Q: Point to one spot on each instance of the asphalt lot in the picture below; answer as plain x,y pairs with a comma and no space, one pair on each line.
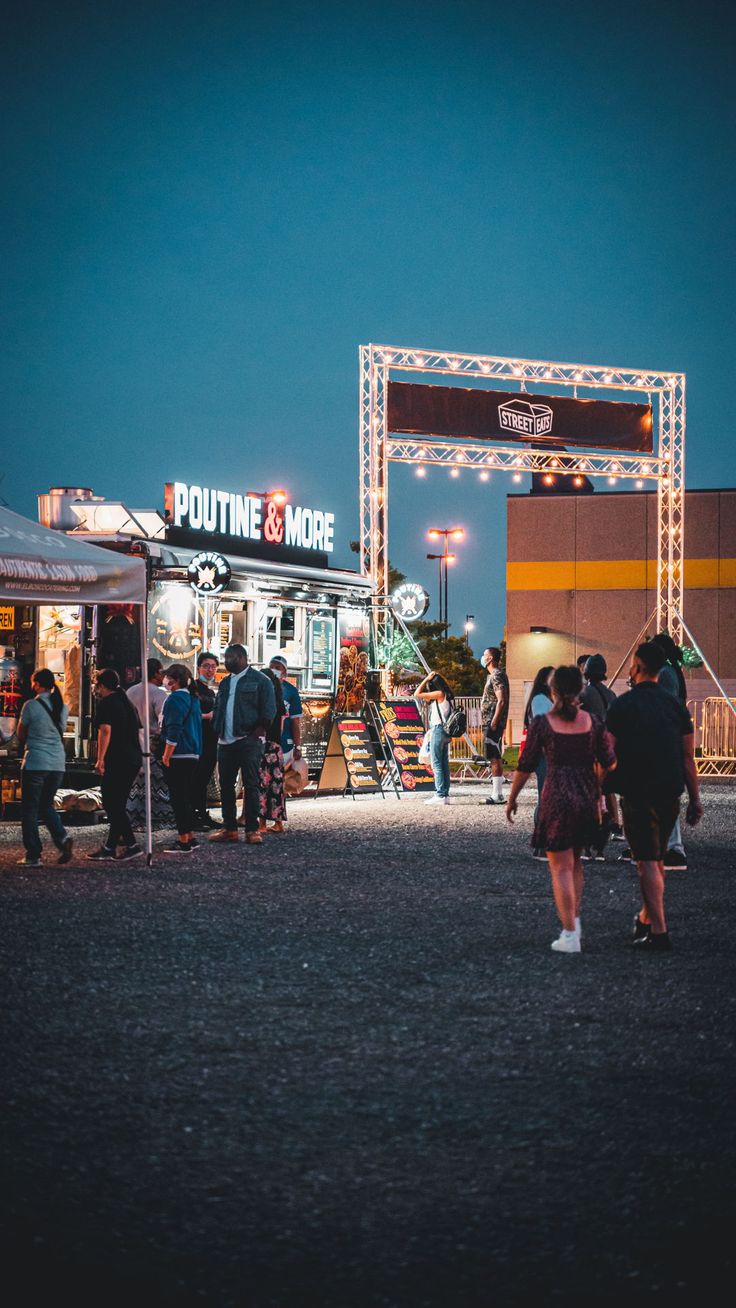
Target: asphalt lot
345,1068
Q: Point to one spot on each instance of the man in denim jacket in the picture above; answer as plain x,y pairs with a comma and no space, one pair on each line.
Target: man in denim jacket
244,707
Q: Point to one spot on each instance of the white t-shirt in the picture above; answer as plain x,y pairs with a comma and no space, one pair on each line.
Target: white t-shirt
227,737
157,697
439,712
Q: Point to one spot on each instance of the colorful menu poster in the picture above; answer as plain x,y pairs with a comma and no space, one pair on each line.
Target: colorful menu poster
350,761
321,653
352,668
316,727
404,731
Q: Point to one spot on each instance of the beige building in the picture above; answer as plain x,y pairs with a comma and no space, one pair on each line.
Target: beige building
583,568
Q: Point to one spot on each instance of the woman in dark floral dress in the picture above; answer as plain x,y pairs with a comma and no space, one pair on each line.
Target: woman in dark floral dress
273,799
573,744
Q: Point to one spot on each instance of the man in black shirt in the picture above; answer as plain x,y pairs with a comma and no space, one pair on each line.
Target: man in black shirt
655,761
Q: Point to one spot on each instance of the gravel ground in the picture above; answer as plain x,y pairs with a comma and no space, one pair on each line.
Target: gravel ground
345,1068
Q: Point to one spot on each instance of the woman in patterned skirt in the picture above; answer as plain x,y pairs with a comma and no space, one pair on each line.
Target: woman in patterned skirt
574,745
272,797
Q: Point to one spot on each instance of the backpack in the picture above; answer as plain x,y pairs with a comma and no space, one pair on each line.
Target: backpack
456,723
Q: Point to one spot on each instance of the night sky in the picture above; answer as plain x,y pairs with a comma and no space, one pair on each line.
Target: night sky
210,206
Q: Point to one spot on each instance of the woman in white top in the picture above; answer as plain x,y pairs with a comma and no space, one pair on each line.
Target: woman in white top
435,691
41,732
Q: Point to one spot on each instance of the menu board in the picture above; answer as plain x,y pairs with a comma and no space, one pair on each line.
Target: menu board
404,732
350,761
316,726
321,653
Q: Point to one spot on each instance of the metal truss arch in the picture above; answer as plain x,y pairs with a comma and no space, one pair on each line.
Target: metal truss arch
665,468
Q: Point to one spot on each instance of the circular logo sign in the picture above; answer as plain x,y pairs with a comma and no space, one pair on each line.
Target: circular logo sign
208,573
410,601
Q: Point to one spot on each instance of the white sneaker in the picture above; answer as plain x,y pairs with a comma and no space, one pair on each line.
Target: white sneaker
438,799
568,942
578,929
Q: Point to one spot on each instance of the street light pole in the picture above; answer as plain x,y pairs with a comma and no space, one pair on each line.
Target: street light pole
447,533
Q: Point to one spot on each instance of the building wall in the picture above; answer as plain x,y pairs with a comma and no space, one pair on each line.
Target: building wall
585,567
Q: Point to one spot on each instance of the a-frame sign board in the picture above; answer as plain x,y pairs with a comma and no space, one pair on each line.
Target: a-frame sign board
350,761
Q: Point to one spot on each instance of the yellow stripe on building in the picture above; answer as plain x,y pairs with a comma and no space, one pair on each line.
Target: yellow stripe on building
616,574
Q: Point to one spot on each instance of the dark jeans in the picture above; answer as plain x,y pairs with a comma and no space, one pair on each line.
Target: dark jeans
115,786
182,774
242,756
203,776
37,801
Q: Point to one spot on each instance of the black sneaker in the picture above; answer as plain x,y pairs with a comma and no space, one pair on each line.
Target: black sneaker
540,855
65,855
625,855
586,855
656,944
617,831
129,851
641,929
675,861
102,855
491,800
180,847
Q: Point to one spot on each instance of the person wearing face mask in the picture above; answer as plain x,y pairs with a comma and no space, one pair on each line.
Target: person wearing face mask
245,705
207,687
291,735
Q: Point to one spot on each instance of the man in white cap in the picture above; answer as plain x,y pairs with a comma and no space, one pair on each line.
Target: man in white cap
291,735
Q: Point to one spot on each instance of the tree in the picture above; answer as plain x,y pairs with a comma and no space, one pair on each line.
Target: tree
451,656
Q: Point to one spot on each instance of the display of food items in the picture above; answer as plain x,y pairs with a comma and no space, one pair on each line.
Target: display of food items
351,680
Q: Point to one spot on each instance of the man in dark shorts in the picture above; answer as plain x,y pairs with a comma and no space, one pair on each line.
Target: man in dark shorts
655,762
494,712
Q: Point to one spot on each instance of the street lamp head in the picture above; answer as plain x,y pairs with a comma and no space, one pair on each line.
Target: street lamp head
277,496
457,533
433,533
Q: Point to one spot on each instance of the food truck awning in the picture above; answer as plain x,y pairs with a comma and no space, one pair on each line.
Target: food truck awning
249,570
331,580
42,566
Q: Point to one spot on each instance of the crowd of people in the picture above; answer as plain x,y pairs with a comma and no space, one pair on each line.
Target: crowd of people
248,725
595,747
587,748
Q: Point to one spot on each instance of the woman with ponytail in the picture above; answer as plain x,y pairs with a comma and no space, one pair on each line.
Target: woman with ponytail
41,732
574,745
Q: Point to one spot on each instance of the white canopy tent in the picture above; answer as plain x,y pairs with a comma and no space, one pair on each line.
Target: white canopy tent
42,566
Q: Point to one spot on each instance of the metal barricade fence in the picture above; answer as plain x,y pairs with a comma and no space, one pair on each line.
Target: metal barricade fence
715,733
467,753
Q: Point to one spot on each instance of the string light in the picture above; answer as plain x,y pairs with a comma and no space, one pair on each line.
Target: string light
484,476
454,472
421,472
516,476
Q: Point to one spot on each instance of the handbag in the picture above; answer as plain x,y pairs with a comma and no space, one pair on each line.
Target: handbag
425,752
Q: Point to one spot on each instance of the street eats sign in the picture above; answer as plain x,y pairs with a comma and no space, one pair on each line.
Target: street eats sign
478,414
247,524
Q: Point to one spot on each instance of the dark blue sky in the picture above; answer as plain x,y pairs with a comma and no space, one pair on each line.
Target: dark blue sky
210,206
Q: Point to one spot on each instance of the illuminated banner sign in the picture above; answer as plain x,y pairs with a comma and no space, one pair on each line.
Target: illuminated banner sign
247,525
501,416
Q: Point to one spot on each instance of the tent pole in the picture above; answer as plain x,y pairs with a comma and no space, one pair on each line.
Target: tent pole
146,731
